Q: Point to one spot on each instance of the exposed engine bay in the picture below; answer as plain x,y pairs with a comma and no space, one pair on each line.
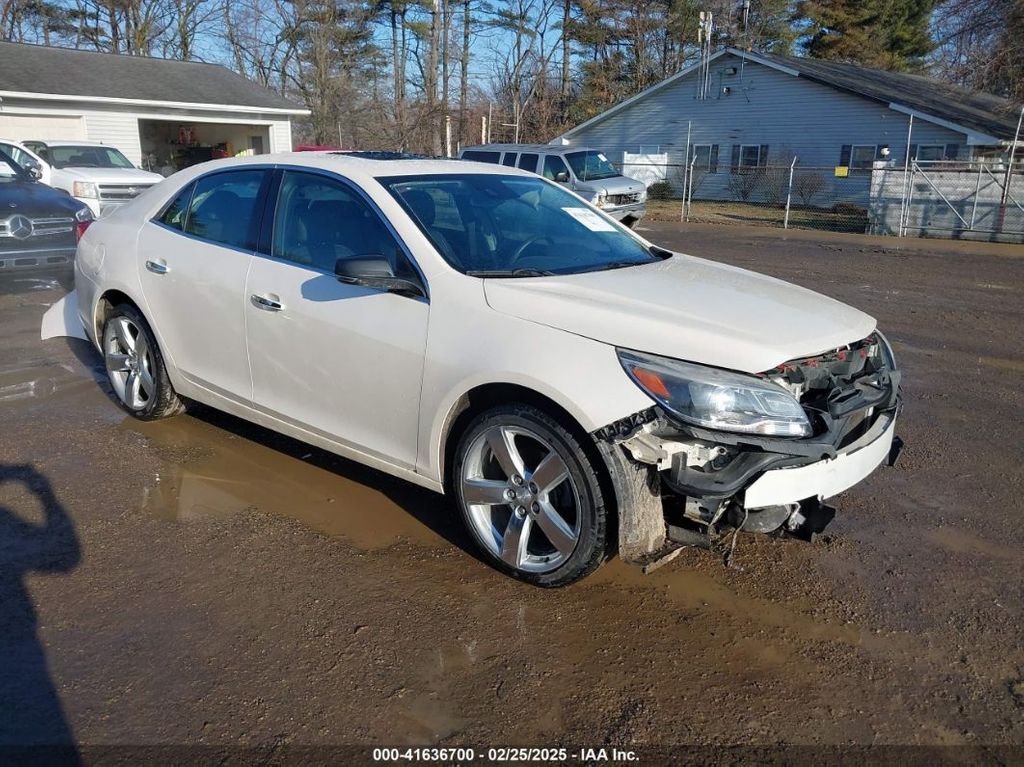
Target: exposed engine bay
709,479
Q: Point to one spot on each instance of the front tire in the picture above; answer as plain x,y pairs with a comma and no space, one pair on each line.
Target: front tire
135,366
530,496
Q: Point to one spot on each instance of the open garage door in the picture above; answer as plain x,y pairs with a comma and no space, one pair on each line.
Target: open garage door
169,146
40,127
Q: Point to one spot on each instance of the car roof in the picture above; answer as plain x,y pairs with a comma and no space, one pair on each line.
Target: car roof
541,148
69,142
369,164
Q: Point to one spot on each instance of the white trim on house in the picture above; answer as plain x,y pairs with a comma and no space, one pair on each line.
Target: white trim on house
150,103
974,138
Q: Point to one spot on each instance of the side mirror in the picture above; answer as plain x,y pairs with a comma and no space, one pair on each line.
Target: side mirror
374,271
562,177
35,172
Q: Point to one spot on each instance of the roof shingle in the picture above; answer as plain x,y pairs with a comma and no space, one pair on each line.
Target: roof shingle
69,72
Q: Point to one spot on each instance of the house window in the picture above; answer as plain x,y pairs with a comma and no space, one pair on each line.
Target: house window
930,152
747,157
862,156
750,155
705,157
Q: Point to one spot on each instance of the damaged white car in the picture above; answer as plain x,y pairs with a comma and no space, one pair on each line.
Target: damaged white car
482,332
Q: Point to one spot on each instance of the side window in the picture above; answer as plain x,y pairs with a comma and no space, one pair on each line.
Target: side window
174,215
40,149
15,153
480,156
318,221
553,165
528,161
509,160
224,208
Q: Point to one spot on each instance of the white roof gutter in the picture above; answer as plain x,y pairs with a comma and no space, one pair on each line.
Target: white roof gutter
248,109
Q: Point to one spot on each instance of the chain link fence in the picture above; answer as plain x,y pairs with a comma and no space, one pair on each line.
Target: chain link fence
969,200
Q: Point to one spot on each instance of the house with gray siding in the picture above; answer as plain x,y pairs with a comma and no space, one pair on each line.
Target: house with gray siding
761,110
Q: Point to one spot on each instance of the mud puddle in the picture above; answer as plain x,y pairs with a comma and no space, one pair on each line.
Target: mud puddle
209,472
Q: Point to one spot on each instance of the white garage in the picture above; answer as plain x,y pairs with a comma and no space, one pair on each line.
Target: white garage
163,115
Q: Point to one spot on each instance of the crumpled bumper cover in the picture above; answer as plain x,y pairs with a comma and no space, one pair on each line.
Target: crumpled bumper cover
824,479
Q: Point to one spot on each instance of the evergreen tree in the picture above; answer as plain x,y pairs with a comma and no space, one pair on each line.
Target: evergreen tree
886,34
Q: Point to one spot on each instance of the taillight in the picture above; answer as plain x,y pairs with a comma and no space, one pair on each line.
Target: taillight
80,227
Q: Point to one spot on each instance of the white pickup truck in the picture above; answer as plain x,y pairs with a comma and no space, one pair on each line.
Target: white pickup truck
97,174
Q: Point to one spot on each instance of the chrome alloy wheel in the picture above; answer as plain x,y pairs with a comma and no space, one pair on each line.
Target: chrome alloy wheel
129,362
521,499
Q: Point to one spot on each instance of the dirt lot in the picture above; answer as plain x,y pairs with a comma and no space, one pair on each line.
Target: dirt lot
203,581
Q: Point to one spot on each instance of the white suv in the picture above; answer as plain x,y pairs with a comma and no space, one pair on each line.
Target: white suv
482,331
97,174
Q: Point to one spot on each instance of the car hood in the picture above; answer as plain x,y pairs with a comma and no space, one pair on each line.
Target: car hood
687,308
35,200
614,185
112,175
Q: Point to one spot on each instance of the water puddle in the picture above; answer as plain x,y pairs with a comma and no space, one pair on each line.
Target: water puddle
210,472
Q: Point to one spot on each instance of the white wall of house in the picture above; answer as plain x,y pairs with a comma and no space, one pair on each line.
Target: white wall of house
118,125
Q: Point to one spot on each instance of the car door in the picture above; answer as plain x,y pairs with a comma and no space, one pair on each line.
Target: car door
339,360
193,262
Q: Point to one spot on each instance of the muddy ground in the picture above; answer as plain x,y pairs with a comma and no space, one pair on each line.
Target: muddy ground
203,581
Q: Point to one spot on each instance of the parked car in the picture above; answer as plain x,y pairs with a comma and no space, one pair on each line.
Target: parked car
98,175
481,331
27,159
586,171
39,226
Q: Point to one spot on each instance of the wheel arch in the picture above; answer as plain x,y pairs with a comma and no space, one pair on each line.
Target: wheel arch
483,397
105,306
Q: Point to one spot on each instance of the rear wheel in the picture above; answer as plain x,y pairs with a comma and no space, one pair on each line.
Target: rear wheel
530,496
136,368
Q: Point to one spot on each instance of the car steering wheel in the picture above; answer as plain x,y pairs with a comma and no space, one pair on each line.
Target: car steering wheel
519,251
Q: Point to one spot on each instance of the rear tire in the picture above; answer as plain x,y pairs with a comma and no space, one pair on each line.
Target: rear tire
530,497
135,366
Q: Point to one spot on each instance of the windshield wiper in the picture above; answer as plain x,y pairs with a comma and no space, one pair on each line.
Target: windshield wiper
509,273
615,265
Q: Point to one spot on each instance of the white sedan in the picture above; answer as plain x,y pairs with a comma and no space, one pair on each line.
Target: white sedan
481,331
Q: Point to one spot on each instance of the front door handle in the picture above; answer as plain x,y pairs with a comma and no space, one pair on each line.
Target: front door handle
157,266
269,302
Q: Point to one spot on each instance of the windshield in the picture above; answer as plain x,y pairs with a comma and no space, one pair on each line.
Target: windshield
511,226
10,170
590,166
87,157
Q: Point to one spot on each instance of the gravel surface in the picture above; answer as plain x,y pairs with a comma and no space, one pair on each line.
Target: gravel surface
204,581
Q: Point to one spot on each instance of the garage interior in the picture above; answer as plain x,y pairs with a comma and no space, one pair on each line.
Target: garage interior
169,146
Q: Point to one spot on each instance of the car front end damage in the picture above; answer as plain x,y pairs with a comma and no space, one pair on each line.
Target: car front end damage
722,452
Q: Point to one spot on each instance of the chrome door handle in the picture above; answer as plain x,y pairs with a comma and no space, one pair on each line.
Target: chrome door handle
269,303
157,266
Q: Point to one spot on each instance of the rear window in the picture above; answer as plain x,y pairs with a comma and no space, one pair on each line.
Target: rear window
478,156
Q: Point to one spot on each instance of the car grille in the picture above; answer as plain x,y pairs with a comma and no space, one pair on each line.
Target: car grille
624,199
121,192
33,230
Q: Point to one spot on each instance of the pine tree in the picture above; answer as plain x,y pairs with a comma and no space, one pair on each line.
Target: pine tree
885,34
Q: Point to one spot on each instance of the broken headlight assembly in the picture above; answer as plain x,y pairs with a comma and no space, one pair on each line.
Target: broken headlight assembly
717,399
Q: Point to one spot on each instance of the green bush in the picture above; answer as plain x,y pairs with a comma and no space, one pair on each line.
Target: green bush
660,190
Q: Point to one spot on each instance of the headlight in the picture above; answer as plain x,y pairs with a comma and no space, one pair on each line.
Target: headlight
600,199
643,196
717,399
84,189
